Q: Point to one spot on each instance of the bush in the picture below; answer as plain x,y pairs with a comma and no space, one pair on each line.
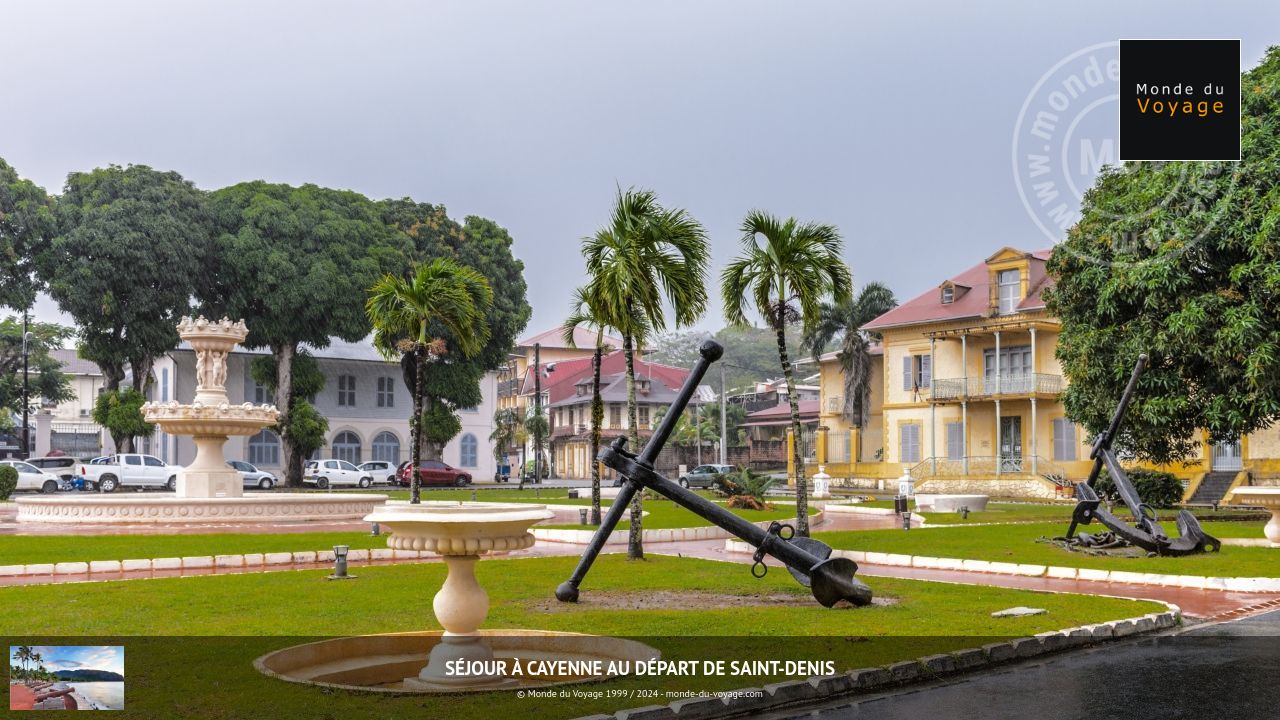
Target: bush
8,481
745,490
1156,488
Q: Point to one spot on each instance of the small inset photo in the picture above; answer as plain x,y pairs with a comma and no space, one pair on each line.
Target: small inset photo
66,677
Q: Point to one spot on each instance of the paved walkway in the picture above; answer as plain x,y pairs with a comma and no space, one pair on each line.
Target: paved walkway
1211,671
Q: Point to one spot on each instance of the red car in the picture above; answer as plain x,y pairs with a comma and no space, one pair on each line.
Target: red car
434,472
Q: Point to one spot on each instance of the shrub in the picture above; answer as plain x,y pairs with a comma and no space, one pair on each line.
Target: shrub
1156,488
744,490
8,481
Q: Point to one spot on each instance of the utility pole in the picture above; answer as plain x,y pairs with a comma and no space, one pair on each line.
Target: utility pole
26,391
724,436
697,429
537,409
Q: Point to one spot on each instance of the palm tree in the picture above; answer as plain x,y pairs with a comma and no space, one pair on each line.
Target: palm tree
645,258
586,311
504,433
23,655
406,314
786,277
845,320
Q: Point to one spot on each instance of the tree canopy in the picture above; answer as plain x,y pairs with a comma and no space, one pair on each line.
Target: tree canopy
131,245
26,224
1180,261
44,373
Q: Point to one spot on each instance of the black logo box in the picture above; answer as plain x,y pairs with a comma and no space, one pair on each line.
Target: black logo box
1160,77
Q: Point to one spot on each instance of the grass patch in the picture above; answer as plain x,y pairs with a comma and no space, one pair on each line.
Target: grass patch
1018,543
31,549
1011,512
212,677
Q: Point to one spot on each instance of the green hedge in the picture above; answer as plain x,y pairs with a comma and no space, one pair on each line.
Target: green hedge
1156,488
8,481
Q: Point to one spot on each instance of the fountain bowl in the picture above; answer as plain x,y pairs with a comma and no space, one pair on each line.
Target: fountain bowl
1266,497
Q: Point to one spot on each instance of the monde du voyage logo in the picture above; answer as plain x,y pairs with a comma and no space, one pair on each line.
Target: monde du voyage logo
1179,100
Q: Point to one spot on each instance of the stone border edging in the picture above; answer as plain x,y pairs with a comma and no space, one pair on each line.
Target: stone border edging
619,537
115,567
1233,584
780,695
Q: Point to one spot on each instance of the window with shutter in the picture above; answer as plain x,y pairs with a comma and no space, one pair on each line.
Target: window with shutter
955,441
926,370
909,443
1064,439
907,372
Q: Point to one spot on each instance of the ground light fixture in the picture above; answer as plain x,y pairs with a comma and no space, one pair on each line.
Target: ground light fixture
582,514
964,512
375,531
340,563
906,520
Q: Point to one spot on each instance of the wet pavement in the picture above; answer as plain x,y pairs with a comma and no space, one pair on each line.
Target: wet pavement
1210,672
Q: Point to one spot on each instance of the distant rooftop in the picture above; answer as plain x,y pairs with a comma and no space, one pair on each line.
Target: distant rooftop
582,337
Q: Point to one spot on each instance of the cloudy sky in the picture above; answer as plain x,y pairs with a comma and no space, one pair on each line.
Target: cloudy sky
892,120
77,657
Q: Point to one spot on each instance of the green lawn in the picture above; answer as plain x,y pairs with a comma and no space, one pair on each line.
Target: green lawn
31,549
1018,543
663,514
1009,512
172,675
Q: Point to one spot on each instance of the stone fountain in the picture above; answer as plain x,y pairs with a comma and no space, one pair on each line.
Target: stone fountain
461,533
1265,497
208,491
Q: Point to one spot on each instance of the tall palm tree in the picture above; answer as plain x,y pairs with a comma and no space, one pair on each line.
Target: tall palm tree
587,311
24,656
844,320
406,313
786,269
646,258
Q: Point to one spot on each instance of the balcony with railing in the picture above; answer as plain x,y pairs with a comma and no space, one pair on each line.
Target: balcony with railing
1005,386
988,466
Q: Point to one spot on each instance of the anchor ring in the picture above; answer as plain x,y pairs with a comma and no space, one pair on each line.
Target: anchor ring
764,570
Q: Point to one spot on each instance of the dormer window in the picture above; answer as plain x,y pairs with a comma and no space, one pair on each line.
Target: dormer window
948,294
1009,290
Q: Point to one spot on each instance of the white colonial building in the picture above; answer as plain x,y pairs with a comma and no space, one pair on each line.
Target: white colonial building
364,399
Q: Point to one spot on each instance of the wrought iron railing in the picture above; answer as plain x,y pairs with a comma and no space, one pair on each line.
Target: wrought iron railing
1020,384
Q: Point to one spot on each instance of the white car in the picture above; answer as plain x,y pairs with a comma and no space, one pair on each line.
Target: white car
130,470
324,473
381,470
31,477
252,476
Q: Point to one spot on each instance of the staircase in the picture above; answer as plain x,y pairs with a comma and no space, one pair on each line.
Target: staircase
1213,487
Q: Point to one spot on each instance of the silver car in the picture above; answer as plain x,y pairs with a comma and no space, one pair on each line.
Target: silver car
704,475
252,476
381,470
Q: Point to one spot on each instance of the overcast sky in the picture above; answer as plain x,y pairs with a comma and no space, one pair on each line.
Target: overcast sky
892,120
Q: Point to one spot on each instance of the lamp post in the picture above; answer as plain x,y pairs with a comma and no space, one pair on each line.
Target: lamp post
26,389
340,563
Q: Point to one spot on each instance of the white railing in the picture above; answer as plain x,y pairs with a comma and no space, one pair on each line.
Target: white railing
984,465
1020,384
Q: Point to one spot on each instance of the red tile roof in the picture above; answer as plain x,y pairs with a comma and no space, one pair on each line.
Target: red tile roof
971,303
782,411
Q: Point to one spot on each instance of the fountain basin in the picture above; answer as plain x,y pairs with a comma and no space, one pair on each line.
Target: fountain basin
381,663
166,508
1266,497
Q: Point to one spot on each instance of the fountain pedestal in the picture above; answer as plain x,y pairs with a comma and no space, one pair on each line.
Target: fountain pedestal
460,533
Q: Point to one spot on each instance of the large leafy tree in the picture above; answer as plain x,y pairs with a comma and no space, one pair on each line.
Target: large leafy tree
645,258
132,243
307,427
404,311
45,378
785,271
120,412
843,321
295,264
26,224
485,247
589,312
1180,261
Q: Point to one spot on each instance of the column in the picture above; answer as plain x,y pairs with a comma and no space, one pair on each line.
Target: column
933,407
821,440
964,432
997,393
1034,446
791,458
964,402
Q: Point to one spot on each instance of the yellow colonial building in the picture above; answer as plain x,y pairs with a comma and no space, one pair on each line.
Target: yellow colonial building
965,398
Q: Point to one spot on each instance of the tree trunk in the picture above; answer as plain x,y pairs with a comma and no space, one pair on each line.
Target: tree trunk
284,355
142,372
415,427
597,417
797,432
635,543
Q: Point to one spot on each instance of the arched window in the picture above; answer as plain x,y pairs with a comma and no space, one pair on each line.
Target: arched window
468,451
264,448
386,446
346,446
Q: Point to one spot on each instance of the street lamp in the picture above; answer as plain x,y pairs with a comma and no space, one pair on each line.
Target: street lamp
340,563
27,337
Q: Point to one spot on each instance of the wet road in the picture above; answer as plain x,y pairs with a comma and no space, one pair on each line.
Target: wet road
1213,672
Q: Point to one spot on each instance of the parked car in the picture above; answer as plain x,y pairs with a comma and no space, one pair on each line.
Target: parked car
703,476
252,476
64,466
31,477
381,470
435,472
131,470
324,473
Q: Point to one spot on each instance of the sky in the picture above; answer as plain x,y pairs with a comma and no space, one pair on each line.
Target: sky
77,657
894,121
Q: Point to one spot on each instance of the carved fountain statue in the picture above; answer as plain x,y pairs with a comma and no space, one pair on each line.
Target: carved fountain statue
208,491
210,418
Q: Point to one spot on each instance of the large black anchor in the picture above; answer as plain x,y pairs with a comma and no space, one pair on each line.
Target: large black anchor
1145,532
830,579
